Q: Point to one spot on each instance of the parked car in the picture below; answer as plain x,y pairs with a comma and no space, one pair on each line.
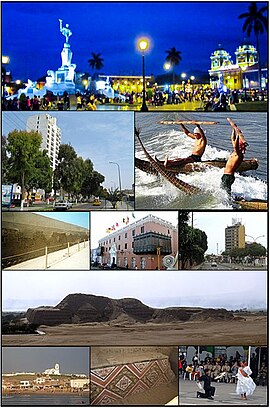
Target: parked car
62,205
214,264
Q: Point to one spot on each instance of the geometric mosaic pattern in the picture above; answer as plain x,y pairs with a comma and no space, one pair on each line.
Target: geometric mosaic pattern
108,384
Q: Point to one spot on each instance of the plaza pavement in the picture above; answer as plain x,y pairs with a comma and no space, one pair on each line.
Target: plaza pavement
60,259
225,395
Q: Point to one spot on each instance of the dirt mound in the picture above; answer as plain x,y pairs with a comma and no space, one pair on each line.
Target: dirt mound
212,315
82,308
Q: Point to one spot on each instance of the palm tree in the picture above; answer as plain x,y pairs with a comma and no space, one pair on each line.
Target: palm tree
256,22
173,58
114,196
96,62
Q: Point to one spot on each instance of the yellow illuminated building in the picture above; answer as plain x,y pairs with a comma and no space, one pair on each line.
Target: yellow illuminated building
128,83
224,72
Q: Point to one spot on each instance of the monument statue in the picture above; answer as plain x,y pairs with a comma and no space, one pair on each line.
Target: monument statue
65,30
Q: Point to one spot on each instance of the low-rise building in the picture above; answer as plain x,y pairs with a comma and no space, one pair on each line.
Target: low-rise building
140,245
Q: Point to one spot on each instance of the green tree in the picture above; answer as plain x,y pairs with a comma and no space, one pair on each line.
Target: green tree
192,242
24,151
114,196
257,23
5,179
66,173
74,175
174,59
42,174
92,180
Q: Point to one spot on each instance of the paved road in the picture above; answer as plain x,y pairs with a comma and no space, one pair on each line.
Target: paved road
206,266
225,395
105,205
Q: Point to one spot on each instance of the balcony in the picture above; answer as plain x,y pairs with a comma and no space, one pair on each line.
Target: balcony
149,242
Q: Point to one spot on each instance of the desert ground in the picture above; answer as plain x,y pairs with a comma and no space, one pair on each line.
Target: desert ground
252,329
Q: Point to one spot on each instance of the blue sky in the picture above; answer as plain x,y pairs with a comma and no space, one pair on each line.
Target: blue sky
77,218
100,136
72,360
214,224
32,40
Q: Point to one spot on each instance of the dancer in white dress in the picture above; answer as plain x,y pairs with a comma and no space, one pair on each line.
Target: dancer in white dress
245,384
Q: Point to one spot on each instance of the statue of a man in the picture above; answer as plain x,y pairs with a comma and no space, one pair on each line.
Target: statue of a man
65,30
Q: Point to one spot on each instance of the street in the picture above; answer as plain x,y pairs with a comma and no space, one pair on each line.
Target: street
225,395
105,205
206,266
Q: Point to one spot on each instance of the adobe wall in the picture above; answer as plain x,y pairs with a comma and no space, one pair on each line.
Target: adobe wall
25,232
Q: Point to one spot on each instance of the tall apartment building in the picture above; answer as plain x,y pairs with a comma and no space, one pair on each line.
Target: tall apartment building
234,235
140,245
46,125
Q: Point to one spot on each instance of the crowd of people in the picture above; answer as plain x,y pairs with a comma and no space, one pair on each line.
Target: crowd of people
207,99
221,368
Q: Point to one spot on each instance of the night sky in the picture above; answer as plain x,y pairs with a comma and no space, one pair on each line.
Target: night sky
32,40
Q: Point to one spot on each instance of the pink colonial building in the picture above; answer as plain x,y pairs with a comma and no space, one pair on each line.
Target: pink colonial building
140,245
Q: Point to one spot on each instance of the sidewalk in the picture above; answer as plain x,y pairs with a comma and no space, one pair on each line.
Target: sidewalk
59,259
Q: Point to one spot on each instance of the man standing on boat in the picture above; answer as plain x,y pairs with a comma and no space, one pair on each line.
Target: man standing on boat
234,160
197,152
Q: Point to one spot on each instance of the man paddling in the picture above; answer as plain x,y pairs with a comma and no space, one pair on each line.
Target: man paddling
197,152
234,160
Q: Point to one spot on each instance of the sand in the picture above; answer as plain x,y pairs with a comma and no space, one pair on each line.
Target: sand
252,330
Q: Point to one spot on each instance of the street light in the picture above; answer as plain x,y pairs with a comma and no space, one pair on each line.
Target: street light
254,239
119,175
183,76
5,59
143,45
167,66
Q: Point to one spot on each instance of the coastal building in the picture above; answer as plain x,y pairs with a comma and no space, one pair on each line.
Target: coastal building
243,73
79,383
46,125
139,245
234,235
53,371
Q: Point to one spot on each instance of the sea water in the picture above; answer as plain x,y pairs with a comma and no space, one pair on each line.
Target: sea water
41,400
153,192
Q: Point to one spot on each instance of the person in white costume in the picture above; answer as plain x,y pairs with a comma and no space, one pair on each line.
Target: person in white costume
245,384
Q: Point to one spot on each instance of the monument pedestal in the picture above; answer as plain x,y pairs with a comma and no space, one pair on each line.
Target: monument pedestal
62,80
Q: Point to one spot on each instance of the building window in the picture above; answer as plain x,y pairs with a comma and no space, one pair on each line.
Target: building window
133,233
143,263
132,245
125,246
142,230
114,240
133,262
119,237
126,235
119,247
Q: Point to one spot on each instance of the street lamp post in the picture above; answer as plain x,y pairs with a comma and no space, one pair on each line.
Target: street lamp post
143,45
183,76
254,239
119,174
